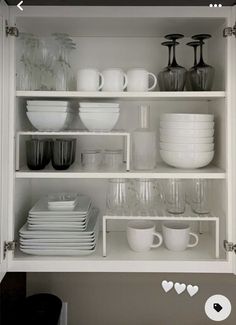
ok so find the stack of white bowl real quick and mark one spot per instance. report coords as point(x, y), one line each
point(99, 116)
point(187, 140)
point(49, 115)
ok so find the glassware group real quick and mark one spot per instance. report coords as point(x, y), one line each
point(44, 62)
point(173, 77)
point(148, 197)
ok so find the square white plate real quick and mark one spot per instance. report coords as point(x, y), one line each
point(41, 207)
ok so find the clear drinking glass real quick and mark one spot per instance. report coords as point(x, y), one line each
point(91, 159)
point(148, 198)
point(113, 160)
point(118, 197)
point(199, 198)
point(174, 196)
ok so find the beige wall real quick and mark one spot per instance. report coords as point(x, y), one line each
point(133, 299)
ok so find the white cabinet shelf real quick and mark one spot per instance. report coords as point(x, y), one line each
point(121, 259)
point(155, 95)
point(161, 172)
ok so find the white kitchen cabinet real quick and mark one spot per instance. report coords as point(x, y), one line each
point(123, 37)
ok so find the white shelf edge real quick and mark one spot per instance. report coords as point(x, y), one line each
point(121, 259)
point(207, 95)
point(211, 172)
point(73, 132)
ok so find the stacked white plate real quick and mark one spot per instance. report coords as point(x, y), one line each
point(187, 140)
point(60, 232)
point(99, 116)
point(49, 115)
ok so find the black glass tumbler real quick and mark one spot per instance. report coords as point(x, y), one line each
point(36, 154)
point(48, 144)
point(62, 153)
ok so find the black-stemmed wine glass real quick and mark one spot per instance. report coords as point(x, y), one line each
point(202, 76)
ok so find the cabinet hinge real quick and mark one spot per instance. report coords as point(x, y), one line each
point(230, 31)
point(11, 30)
point(229, 247)
point(9, 246)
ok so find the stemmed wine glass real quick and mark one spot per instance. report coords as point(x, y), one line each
point(165, 71)
point(174, 76)
point(201, 77)
point(194, 45)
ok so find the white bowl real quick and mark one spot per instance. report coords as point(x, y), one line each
point(99, 121)
point(188, 160)
point(48, 103)
point(97, 105)
point(187, 125)
point(49, 121)
point(187, 117)
point(100, 110)
point(187, 133)
point(37, 108)
point(188, 147)
point(172, 139)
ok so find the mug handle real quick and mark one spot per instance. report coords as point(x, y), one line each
point(154, 79)
point(125, 81)
point(196, 240)
point(159, 236)
point(102, 81)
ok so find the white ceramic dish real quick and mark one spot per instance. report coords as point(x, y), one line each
point(49, 121)
point(187, 125)
point(99, 121)
point(48, 109)
point(41, 208)
point(187, 117)
point(190, 160)
point(97, 105)
point(38, 241)
point(191, 140)
point(187, 133)
point(49, 252)
point(48, 103)
point(99, 110)
point(187, 147)
point(57, 245)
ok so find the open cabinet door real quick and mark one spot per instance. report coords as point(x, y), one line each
point(4, 86)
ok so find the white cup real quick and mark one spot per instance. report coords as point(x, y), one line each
point(138, 80)
point(114, 80)
point(141, 234)
point(89, 80)
point(177, 236)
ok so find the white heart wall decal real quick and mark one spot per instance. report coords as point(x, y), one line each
point(179, 288)
point(167, 285)
point(192, 290)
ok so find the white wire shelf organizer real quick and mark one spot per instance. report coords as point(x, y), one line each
point(125, 135)
point(197, 218)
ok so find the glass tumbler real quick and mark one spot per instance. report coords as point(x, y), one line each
point(73, 150)
point(174, 196)
point(91, 159)
point(148, 198)
point(199, 198)
point(118, 197)
point(36, 154)
point(113, 159)
point(62, 153)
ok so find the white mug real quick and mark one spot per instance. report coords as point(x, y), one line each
point(89, 80)
point(141, 234)
point(177, 236)
point(138, 80)
point(114, 80)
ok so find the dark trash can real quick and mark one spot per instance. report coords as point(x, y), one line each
point(41, 309)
